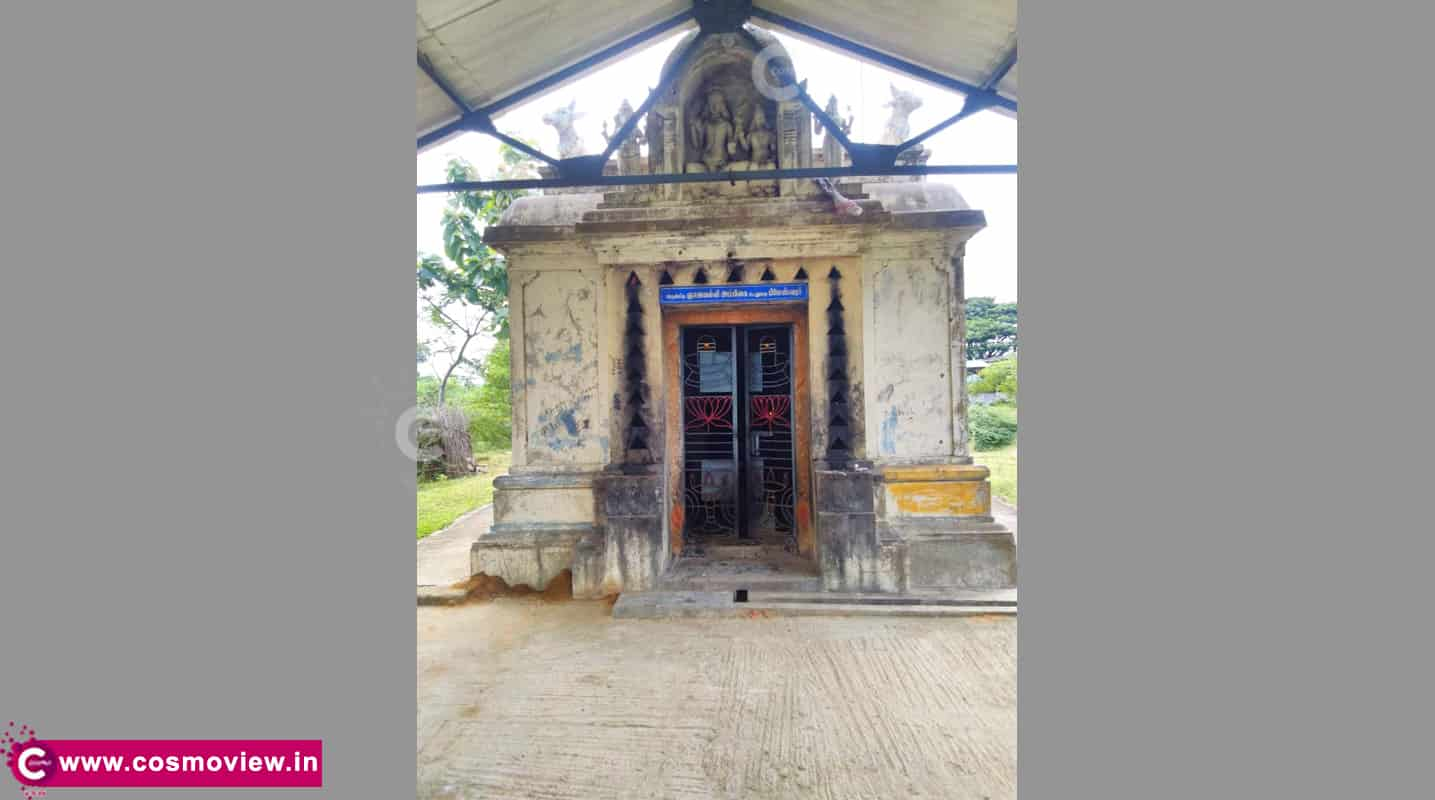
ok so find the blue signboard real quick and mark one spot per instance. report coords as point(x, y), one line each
point(756, 293)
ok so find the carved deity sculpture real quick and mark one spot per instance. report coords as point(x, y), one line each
point(562, 119)
point(630, 146)
point(760, 140)
point(630, 153)
point(712, 136)
point(903, 103)
point(831, 149)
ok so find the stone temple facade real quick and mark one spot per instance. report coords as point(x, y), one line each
point(734, 375)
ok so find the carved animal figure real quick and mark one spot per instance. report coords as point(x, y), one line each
point(562, 119)
point(903, 103)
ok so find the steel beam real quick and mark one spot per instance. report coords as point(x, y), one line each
point(712, 177)
point(663, 82)
point(540, 86)
point(1003, 67)
point(974, 102)
point(439, 81)
point(877, 56)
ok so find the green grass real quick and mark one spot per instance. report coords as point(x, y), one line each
point(443, 501)
point(1001, 461)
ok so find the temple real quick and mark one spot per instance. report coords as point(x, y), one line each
point(741, 383)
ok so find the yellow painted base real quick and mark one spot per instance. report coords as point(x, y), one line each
point(948, 490)
point(935, 472)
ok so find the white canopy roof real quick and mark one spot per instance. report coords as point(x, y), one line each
point(488, 50)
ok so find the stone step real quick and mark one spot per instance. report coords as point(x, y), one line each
point(745, 551)
point(781, 573)
point(994, 598)
point(720, 605)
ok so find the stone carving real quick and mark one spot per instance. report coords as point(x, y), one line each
point(903, 103)
point(630, 153)
point(759, 140)
point(832, 152)
point(562, 119)
point(714, 116)
point(635, 140)
point(712, 135)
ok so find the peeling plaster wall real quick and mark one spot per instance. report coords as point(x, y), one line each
point(560, 420)
point(912, 398)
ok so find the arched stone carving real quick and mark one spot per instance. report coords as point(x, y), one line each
point(715, 118)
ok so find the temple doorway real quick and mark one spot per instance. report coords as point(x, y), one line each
point(738, 475)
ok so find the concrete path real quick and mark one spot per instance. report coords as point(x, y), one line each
point(522, 698)
point(444, 555)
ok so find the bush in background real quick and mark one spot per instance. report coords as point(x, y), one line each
point(991, 427)
point(999, 376)
point(490, 405)
point(487, 405)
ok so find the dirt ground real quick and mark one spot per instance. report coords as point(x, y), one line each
point(522, 698)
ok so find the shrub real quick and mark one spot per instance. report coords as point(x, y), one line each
point(990, 428)
point(999, 376)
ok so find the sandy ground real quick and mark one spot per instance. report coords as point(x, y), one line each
point(520, 698)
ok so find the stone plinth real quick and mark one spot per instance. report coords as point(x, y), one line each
point(539, 521)
point(939, 517)
point(629, 550)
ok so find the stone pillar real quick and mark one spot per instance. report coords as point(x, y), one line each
point(908, 321)
point(849, 551)
point(959, 353)
point(794, 146)
point(630, 551)
point(933, 507)
point(544, 508)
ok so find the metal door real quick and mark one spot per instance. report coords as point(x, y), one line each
point(738, 458)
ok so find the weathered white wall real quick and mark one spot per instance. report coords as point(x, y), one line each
point(559, 416)
point(913, 351)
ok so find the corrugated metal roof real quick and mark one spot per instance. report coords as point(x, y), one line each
point(486, 50)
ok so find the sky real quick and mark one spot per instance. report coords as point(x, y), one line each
point(983, 138)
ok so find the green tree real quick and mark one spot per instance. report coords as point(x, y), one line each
point(991, 328)
point(465, 291)
point(1000, 376)
point(490, 405)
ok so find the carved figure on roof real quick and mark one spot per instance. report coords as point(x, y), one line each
point(636, 139)
point(832, 152)
point(903, 103)
point(562, 119)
